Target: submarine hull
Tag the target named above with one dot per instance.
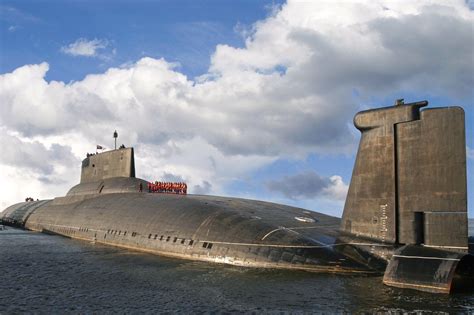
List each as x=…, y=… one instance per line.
x=207, y=228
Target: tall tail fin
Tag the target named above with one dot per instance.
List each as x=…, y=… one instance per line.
x=409, y=180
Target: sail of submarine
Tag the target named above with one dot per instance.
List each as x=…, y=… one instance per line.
x=405, y=215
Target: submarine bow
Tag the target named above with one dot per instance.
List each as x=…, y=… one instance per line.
x=405, y=215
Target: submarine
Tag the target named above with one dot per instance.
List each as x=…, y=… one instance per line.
x=405, y=215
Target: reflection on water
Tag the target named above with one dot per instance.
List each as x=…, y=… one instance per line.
x=44, y=273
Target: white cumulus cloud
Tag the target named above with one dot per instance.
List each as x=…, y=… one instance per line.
x=290, y=91
x=309, y=185
x=84, y=47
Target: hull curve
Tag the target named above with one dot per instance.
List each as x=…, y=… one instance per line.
x=214, y=229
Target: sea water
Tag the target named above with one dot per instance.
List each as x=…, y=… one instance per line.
x=42, y=273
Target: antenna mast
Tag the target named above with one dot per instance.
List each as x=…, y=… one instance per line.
x=115, y=137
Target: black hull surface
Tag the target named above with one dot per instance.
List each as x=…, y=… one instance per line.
x=216, y=229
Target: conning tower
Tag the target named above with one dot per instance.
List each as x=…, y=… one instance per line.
x=108, y=172
x=115, y=163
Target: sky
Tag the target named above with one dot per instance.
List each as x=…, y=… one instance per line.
x=252, y=99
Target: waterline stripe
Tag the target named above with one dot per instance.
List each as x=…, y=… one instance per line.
x=298, y=246
x=424, y=257
x=456, y=247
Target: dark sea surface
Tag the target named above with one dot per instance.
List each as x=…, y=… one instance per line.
x=42, y=273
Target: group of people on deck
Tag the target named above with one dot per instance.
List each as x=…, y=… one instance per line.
x=168, y=187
